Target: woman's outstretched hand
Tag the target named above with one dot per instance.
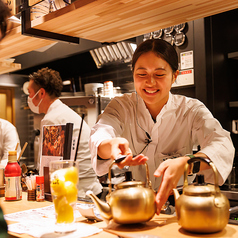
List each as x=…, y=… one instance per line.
x=116, y=147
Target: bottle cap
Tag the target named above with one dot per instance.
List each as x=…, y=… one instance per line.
x=12, y=156
x=39, y=179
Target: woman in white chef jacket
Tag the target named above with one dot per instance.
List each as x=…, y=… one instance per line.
x=159, y=127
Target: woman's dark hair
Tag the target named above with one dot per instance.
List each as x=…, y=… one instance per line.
x=161, y=48
x=48, y=79
x=4, y=14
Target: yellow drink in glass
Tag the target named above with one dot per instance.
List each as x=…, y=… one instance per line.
x=64, y=176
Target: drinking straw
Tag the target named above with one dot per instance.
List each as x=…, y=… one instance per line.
x=80, y=130
x=22, y=151
x=17, y=145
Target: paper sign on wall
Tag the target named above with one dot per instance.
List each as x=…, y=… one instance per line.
x=186, y=60
x=185, y=77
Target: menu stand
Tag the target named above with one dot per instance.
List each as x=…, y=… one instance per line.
x=66, y=156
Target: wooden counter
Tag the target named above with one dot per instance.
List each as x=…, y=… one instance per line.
x=164, y=226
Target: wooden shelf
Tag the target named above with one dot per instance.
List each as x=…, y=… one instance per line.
x=112, y=20
x=6, y=66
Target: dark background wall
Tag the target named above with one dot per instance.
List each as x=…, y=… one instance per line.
x=221, y=37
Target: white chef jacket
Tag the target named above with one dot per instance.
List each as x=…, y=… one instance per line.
x=182, y=124
x=59, y=114
x=8, y=141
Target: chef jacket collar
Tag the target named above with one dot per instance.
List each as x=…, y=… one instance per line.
x=53, y=105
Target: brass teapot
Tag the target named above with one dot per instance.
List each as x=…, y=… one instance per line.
x=201, y=208
x=131, y=202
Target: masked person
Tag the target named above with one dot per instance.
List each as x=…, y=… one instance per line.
x=44, y=88
x=158, y=127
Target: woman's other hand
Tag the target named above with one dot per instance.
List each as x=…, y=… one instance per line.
x=171, y=170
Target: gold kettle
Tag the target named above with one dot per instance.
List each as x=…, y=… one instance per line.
x=131, y=202
x=201, y=208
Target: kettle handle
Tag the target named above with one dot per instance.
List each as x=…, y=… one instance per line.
x=118, y=160
x=209, y=162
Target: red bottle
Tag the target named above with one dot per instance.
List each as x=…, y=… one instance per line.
x=40, y=194
x=13, y=189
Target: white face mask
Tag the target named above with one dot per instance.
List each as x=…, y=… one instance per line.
x=32, y=106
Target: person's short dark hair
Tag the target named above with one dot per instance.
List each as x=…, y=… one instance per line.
x=4, y=14
x=48, y=79
x=161, y=48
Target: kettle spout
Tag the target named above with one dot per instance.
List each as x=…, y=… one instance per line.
x=103, y=207
x=176, y=194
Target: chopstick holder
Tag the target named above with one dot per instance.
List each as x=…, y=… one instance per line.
x=31, y=195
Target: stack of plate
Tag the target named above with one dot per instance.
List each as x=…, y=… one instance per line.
x=91, y=88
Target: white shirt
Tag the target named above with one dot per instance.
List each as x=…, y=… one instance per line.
x=59, y=114
x=8, y=141
x=182, y=124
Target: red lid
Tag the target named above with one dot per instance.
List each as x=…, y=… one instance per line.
x=39, y=179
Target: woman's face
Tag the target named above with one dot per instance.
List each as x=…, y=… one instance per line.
x=153, y=78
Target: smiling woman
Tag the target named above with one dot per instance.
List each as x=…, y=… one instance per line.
x=172, y=124
x=155, y=69
x=153, y=78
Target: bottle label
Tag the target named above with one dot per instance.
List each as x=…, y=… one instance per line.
x=13, y=190
x=40, y=194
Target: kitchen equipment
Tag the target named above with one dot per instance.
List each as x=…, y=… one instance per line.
x=108, y=88
x=169, y=38
x=179, y=38
x=91, y=88
x=158, y=34
x=131, y=202
x=25, y=88
x=233, y=215
x=232, y=180
x=87, y=105
x=179, y=27
x=202, y=208
x=235, y=126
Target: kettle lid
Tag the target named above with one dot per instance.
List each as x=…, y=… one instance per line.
x=199, y=188
x=129, y=184
x=194, y=190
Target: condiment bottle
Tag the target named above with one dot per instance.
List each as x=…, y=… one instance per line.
x=40, y=193
x=13, y=189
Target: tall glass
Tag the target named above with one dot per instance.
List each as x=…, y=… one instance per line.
x=64, y=176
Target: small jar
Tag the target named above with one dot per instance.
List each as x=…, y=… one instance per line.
x=40, y=193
